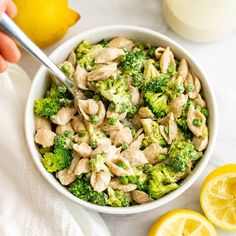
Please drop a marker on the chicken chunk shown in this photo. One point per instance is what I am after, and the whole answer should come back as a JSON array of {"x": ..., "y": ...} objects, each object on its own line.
[
  {"x": 183, "y": 69},
  {"x": 192, "y": 85},
  {"x": 45, "y": 137},
  {"x": 64, "y": 115},
  {"x": 121, "y": 42},
  {"x": 199, "y": 101},
  {"x": 100, "y": 180},
  {"x": 201, "y": 142},
  {"x": 169, "y": 130},
  {"x": 102, "y": 73},
  {"x": 177, "y": 105},
  {"x": 141, "y": 197},
  {"x": 121, "y": 136},
  {"x": 42, "y": 123},
  {"x": 80, "y": 78},
  {"x": 67, "y": 176},
  {"x": 152, "y": 152},
  {"x": 62, "y": 128},
  {"x": 134, "y": 157},
  {"x": 145, "y": 112},
  {"x": 196, "y": 121},
  {"x": 115, "y": 184},
  {"x": 117, "y": 170},
  {"x": 108, "y": 54},
  {"x": 82, "y": 166},
  {"x": 78, "y": 124},
  {"x": 158, "y": 52},
  {"x": 135, "y": 95},
  {"x": 166, "y": 60},
  {"x": 83, "y": 149},
  {"x": 88, "y": 107}
]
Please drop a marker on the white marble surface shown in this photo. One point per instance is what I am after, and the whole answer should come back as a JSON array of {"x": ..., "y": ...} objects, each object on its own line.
[{"x": 217, "y": 59}]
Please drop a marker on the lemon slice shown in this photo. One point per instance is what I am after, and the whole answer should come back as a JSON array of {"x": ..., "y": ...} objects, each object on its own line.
[
  {"x": 218, "y": 197},
  {"x": 182, "y": 223}
]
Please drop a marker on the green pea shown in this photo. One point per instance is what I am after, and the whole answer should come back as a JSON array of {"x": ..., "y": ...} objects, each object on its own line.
[
  {"x": 96, "y": 97},
  {"x": 124, "y": 146},
  {"x": 81, "y": 134},
  {"x": 93, "y": 144},
  {"x": 123, "y": 180},
  {"x": 190, "y": 88},
  {"x": 132, "y": 179},
  {"x": 133, "y": 131},
  {"x": 197, "y": 122},
  {"x": 94, "y": 119},
  {"x": 112, "y": 121},
  {"x": 122, "y": 165},
  {"x": 66, "y": 69}
]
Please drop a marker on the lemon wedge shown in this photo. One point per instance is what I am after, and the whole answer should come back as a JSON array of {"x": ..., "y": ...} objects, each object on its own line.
[
  {"x": 45, "y": 22},
  {"x": 182, "y": 222},
  {"x": 218, "y": 197}
]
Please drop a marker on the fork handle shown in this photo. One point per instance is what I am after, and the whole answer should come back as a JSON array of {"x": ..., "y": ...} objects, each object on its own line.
[{"x": 9, "y": 27}]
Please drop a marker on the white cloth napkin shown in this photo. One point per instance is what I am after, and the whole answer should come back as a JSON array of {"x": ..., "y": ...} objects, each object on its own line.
[{"x": 28, "y": 205}]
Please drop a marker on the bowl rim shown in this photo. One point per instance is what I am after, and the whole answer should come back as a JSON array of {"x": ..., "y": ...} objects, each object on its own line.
[{"x": 143, "y": 207}]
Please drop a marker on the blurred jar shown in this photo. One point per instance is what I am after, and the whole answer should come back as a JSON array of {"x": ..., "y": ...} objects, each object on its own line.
[{"x": 201, "y": 20}]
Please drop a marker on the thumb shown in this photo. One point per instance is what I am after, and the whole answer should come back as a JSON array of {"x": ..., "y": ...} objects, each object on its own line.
[
  {"x": 9, "y": 7},
  {"x": 3, "y": 5}
]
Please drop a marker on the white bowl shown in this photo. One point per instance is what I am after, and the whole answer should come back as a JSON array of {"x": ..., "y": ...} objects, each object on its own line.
[{"x": 41, "y": 82}]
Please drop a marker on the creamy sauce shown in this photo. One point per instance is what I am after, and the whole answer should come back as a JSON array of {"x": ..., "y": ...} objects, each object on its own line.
[{"x": 201, "y": 20}]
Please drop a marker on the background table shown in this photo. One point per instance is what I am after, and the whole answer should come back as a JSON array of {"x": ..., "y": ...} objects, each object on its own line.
[{"x": 218, "y": 59}]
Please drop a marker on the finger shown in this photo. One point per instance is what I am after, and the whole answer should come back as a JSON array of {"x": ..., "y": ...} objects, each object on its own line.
[
  {"x": 8, "y": 49},
  {"x": 11, "y": 9},
  {"x": 3, "y": 64},
  {"x": 3, "y": 5}
]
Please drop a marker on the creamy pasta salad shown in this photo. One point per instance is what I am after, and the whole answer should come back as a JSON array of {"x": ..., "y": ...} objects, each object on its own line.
[{"x": 136, "y": 130}]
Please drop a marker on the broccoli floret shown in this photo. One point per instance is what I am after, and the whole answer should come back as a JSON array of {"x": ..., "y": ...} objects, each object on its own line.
[
  {"x": 103, "y": 42},
  {"x": 165, "y": 173},
  {"x": 204, "y": 111},
  {"x": 160, "y": 180},
  {"x": 132, "y": 65},
  {"x": 82, "y": 189},
  {"x": 138, "y": 80},
  {"x": 151, "y": 52},
  {"x": 182, "y": 121},
  {"x": 157, "y": 103},
  {"x": 95, "y": 135},
  {"x": 43, "y": 150},
  {"x": 63, "y": 141},
  {"x": 115, "y": 90},
  {"x": 46, "y": 107},
  {"x": 175, "y": 87},
  {"x": 159, "y": 83},
  {"x": 150, "y": 71},
  {"x": 141, "y": 180},
  {"x": 132, "y": 62},
  {"x": 59, "y": 159},
  {"x": 158, "y": 190},
  {"x": 97, "y": 162},
  {"x": 86, "y": 53},
  {"x": 117, "y": 198},
  {"x": 152, "y": 133},
  {"x": 55, "y": 98},
  {"x": 181, "y": 153}
]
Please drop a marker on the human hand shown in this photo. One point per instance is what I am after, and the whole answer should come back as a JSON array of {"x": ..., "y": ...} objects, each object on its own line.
[{"x": 8, "y": 49}]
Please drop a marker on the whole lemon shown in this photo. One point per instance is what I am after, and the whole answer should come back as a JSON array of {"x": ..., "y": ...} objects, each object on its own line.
[{"x": 45, "y": 22}]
